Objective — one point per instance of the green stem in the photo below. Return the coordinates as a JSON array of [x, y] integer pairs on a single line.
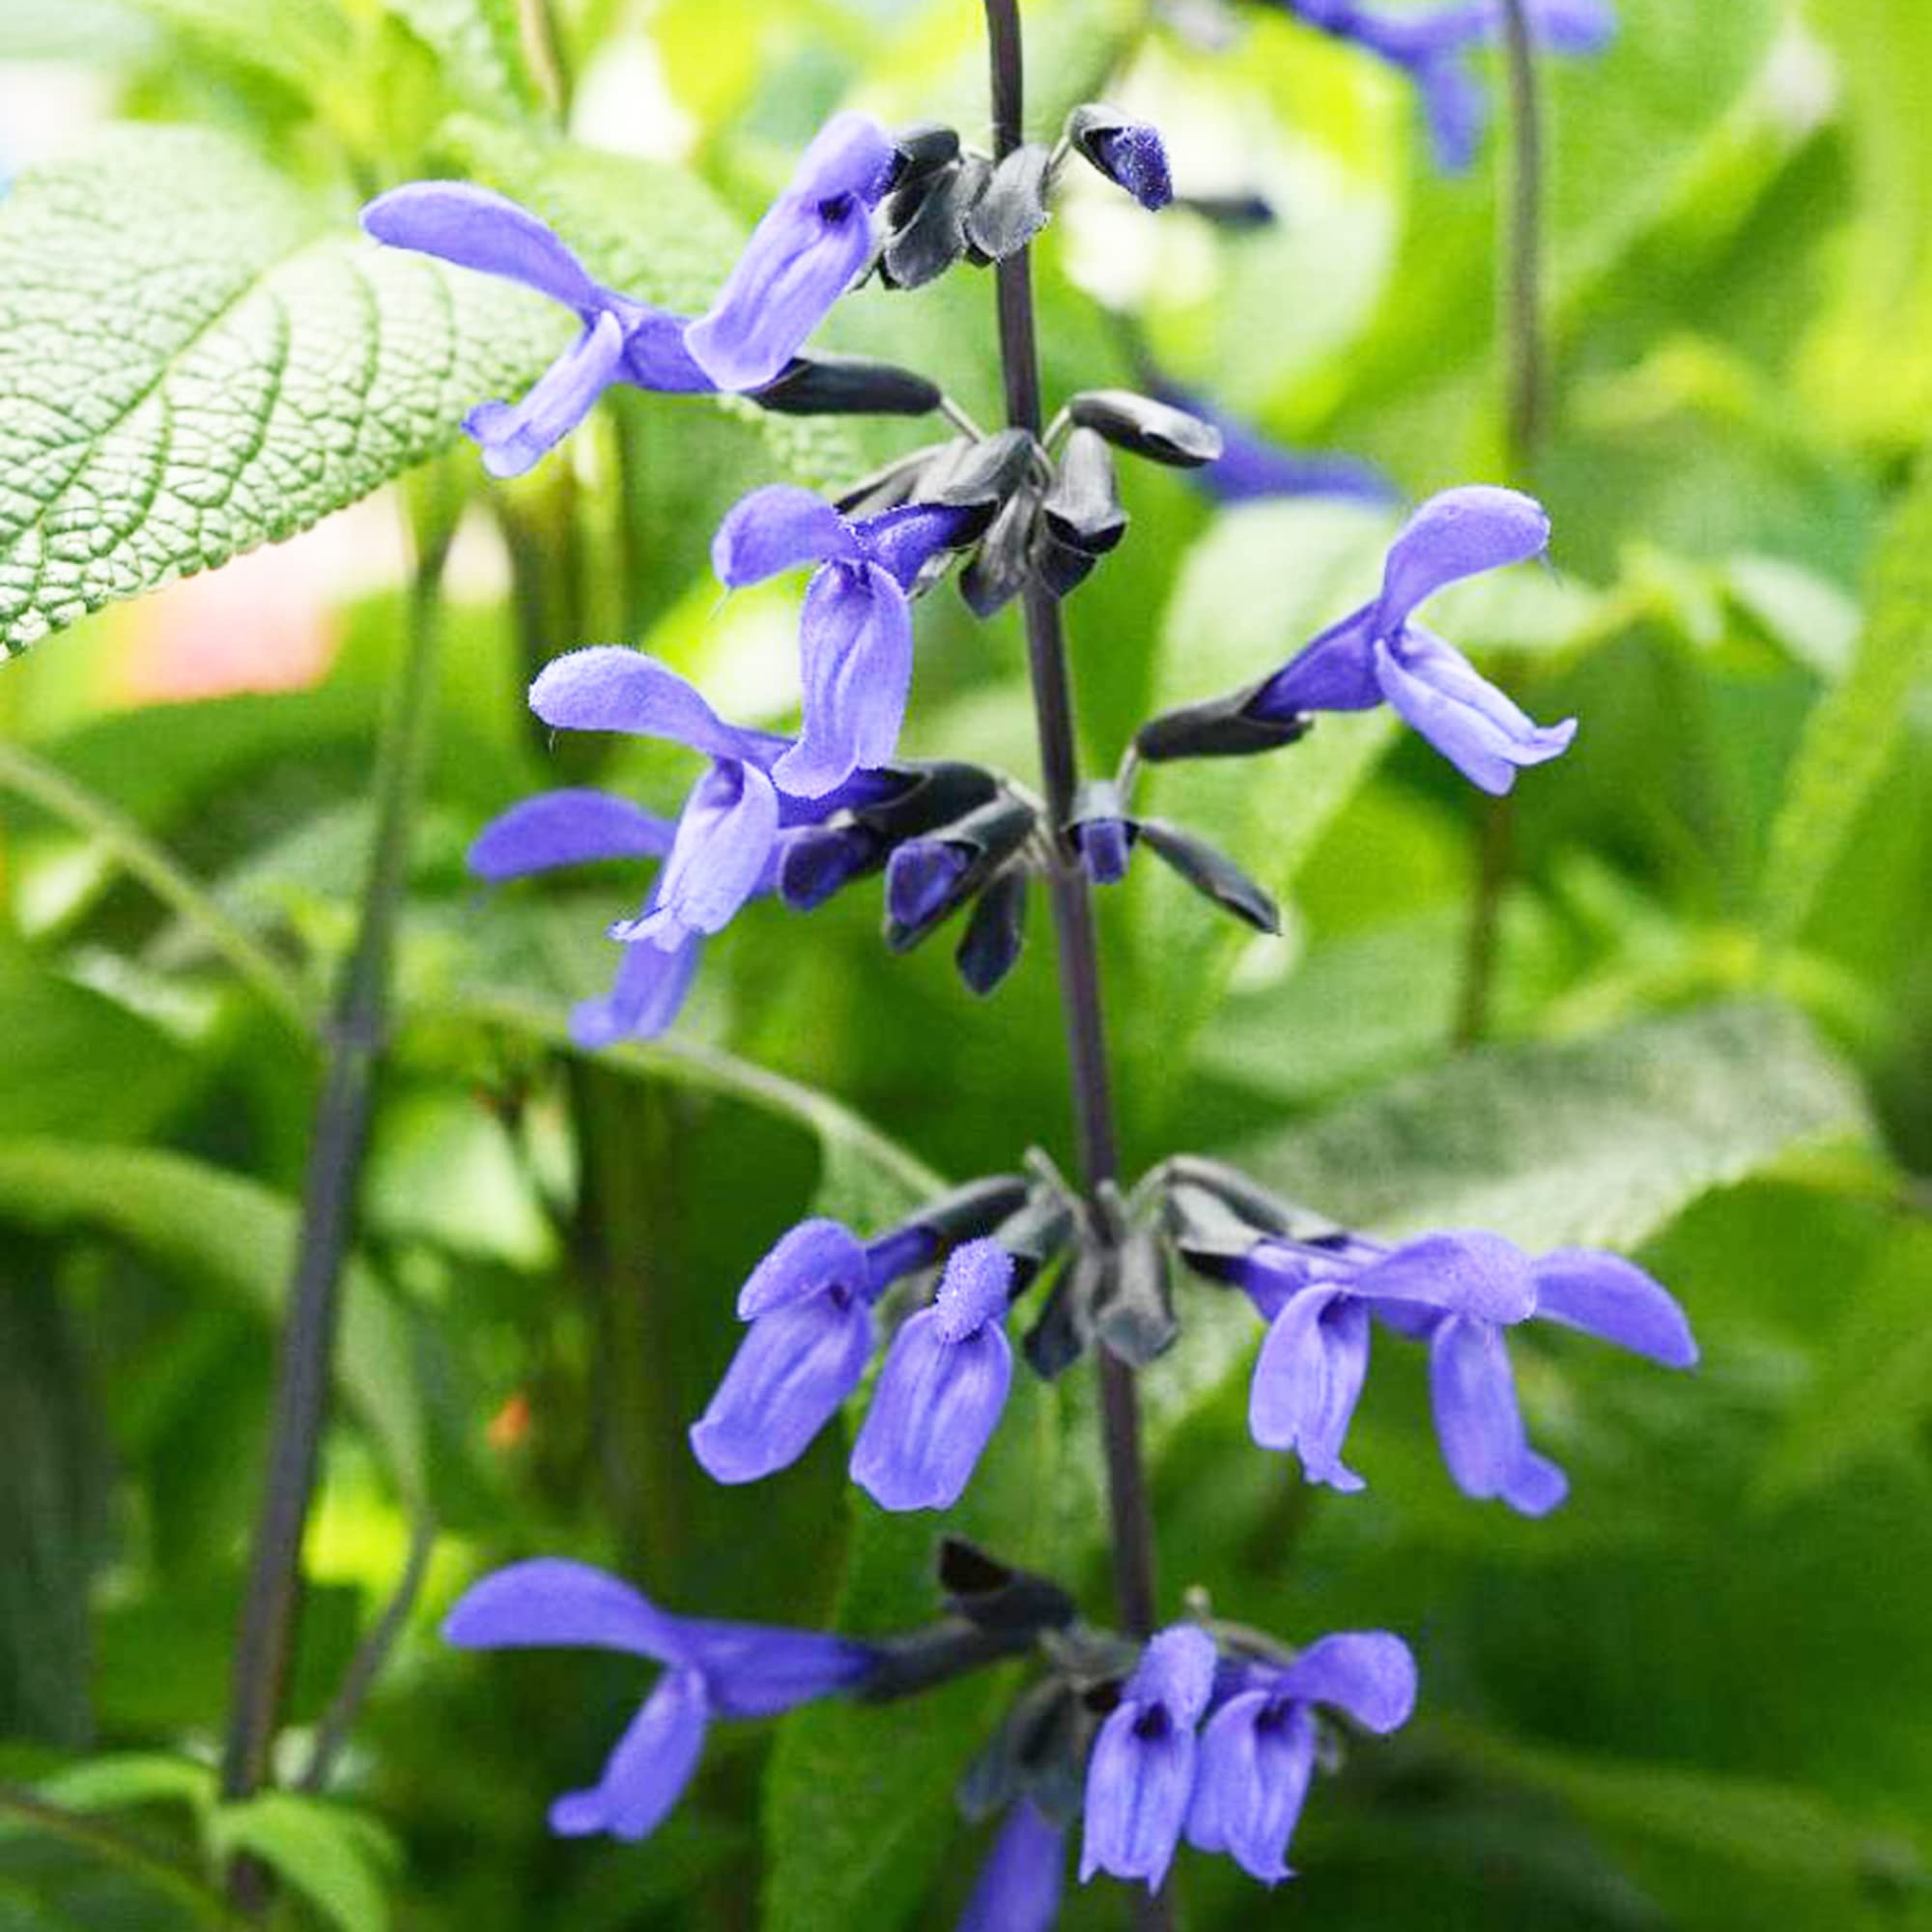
[[45, 785], [272, 1608]]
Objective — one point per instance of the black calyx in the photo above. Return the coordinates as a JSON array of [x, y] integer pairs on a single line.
[[930, 877], [996, 933], [925, 220], [1012, 207], [1144, 427], [1211, 872], [816, 385], [1217, 727]]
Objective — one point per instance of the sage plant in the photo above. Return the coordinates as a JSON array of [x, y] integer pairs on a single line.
[[1132, 1734]]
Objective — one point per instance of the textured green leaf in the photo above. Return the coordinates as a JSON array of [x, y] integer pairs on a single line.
[[1598, 1142], [300, 42], [191, 364], [1856, 726], [230, 1234]]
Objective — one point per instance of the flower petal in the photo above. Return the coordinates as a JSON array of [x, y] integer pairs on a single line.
[[1256, 1757], [719, 859], [1370, 1674], [1478, 1423], [816, 1255], [855, 637], [1455, 109], [932, 1415], [1455, 534], [516, 437], [756, 1670], [1467, 1272], [776, 528], [974, 1290], [458, 222], [552, 1602], [1019, 1886], [802, 257], [1177, 1672], [1605, 1295], [1137, 1793], [608, 688], [1438, 692], [573, 826], [1335, 672], [651, 987], [1308, 1377], [792, 1370], [905, 540], [1574, 26], [647, 1773]]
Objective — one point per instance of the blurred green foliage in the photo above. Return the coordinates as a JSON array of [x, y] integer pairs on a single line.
[[1699, 1696]]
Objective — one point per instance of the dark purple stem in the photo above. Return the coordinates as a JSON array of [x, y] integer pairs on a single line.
[[1078, 953]]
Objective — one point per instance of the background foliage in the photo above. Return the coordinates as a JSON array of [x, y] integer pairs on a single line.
[[1698, 1696]]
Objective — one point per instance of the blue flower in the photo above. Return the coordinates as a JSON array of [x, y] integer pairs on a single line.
[[1435, 50], [1257, 1753], [1019, 1886], [797, 264], [1380, 652], [713, 1669], [1458, 1291], [811, 245], [725, 847], [855, 630], [810, 1305], [1140, 1779], [942, 1388]]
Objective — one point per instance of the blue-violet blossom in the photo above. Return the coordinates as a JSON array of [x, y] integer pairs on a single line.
[[944, 1383], [799, 261], [1458, 1291], [724, 848], [810, 1306], [712, 1669], [1019, 1886], [1436, 49], [1381, 653], [1140, 1777], [1257, 1753], [855, 629]]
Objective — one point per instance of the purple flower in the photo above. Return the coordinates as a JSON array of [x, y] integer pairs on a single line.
[[1019, 1886], [1258, 1751], [1456, 1292], [855, 631], [1380, 653], [1435, 50], [942, 1386], [623, 340], [1140, 1777], [811, 245], [810, 1305], [713, 1669], [724, 848]]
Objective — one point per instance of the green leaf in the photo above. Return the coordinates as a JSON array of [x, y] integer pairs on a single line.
[[480, 49], [1871, 1390], [299, 43], [336, 1859], [233, 1236], [1598, 1141], [1851, 735], [123, 1778], [191, 363]]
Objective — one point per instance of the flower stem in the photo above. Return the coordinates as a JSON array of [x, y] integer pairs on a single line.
[[1079, 956], [1523, 423], [271, 1606]]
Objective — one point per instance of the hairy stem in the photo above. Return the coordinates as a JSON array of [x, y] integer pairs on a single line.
[[1079, 959], [1526, 362], [271, 1606]]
